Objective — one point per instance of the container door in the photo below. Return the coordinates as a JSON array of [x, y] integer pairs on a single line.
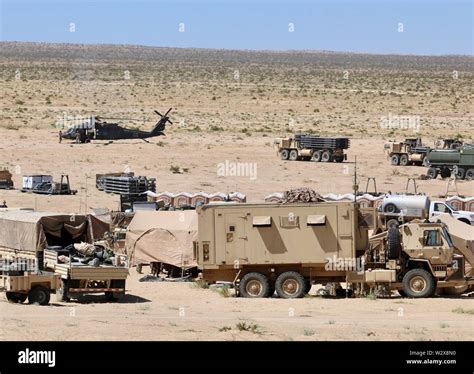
[[235, 238]]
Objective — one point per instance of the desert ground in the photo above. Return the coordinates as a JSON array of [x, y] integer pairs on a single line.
[[227, 106], [180, 311]]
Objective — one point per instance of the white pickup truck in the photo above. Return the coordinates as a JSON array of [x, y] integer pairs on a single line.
[[396, 209]]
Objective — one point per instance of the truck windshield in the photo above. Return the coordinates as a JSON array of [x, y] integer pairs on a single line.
[[450, 207], [447, 237]]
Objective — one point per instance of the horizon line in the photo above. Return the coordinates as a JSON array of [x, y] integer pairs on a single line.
[[239, 50]]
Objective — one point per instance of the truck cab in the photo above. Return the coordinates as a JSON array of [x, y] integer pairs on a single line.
[[438, 208]]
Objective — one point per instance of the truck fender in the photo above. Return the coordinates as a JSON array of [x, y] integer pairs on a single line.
[[425, 264]]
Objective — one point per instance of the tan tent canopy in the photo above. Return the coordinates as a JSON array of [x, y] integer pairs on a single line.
[[162, 236], [31, 231]]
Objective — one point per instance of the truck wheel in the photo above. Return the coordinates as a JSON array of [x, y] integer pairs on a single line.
[[469, 174], [418, 283], [62, 291], [393, 244], [326, 156], [390, 208], [392, 223], [115, 295], [445, 173], [403, 160], [316, 156], [395, 160], [16, 297], [290, 285], [293, 155], [254, 285], [460, 173], [339, 158], [284, 154], [432, 173], [39, 295]]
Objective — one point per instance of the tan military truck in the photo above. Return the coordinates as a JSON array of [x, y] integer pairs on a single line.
[[42, 237], [312, 147], [268, 247], [409, 152], [264, 248], [416, 259]]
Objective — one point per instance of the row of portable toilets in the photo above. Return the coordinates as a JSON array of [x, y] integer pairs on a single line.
[[369, 201]]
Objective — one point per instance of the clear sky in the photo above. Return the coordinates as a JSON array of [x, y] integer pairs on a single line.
[[430, 27]]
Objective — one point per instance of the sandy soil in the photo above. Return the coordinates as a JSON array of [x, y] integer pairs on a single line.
[[39, 152], [228, 106], [178, 311]]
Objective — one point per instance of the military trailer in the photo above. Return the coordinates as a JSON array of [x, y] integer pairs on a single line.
[[409, 152], [264, 248], [444, 162], [32, 285], [43, 237], [312, 147]]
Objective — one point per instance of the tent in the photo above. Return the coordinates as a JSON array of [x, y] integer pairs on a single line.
[[162, 236], [27, 230]]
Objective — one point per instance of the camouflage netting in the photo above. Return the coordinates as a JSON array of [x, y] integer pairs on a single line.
[[301, 195]]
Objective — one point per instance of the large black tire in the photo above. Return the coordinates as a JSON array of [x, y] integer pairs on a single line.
[[16, 297], [293, 155], [39, 295], [393, 244], [62, 291], [469, 175], [326, 156], [403, 160], [115, 295], [390, 208], [432, 173], [418, 283], [254, 285], [284, 154], [392, 223], [316, 156], [395, 160], [339, 158], [290, 285], [460, 173], [445, 173]]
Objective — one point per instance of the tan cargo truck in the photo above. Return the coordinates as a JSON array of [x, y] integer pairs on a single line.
[[41, 237], [285, 248]]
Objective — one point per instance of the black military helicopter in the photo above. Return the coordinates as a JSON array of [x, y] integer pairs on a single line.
[[96, 129]]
